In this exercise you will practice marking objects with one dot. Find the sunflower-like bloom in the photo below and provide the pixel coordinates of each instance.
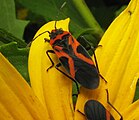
(50, 94)
(118, 61)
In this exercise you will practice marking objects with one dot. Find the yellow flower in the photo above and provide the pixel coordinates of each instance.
(17, 100)
(50, 94)
(118, 61)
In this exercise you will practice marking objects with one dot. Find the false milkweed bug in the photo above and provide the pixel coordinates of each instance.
(74, 57)
(94, 110)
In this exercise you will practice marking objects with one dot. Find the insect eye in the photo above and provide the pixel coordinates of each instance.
(60, 31)
(52, 35)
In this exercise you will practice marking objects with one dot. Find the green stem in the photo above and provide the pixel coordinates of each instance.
(88, 17)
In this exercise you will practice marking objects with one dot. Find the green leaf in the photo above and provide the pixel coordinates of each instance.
(107, 17)
(136, 97)
(8, 19)
(6, 37)
(13, 48)
(104, 14)
(17, 56)
(54, 9)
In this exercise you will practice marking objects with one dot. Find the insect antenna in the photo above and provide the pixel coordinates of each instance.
(55, 21)
(60, 9)
(29, 44)
(55, 24)
(62, 6)
(48, 31)
(41, 34)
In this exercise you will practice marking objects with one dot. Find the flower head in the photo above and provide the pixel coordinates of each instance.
(50, 94)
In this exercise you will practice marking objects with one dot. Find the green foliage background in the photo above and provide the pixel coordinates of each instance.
(89, 18)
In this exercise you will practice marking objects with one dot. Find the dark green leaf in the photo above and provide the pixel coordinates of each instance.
(51, 10)
(6, 37)
(104, 14)
(136, 97)
(8, 19)
(18, 57)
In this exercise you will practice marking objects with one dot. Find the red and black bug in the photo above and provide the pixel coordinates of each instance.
(94, 110)
(74, 57)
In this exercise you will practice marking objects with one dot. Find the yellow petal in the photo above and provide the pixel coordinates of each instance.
(122, 65)
(131, 112)
(17, 100)
(118, 62)
(53, 88)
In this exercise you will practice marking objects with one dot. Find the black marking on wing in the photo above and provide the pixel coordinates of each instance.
(64, 62)
(94, 110)
(86, 74)
(69, 51)
(66, 36)
(62, 42)
(82, 50)
(57, 42)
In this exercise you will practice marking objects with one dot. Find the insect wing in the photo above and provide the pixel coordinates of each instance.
(76, 60)
(94, 110)
(85, 73)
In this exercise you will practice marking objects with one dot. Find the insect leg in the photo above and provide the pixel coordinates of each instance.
(81, 112)
(93, 49)
(47, 52)
(98, 67)
(95, 58)
(57, 67)
(108, 101)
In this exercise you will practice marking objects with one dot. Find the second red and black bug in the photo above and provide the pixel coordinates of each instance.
(94, 110)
